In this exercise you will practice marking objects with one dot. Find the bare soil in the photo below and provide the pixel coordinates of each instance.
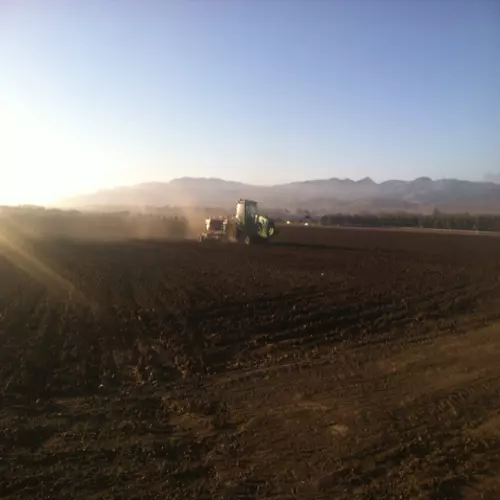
(329, 364)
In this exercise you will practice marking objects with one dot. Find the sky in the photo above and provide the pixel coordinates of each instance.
(99, 93)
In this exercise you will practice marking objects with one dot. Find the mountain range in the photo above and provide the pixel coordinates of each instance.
(317, 196)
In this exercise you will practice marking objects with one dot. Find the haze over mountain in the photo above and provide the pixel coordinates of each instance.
(323, 195)
(492, 177)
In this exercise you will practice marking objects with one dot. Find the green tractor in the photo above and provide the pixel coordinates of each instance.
(249, 226)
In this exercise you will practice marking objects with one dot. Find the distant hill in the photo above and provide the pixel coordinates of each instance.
(319, 196)
(492, 177)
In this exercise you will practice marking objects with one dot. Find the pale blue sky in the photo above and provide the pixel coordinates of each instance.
(99, 93)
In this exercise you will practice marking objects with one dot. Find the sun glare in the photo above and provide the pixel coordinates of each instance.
(41, 161)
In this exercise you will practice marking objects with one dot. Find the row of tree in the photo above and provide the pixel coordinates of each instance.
(435, 221)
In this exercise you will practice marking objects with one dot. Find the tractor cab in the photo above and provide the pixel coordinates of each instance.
(246, 211)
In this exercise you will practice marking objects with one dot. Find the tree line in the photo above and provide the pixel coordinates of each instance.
(437, 220)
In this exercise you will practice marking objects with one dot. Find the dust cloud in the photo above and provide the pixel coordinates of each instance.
(38, 223)
(22, 228)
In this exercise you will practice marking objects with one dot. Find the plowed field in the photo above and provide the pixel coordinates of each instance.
(333, 363)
